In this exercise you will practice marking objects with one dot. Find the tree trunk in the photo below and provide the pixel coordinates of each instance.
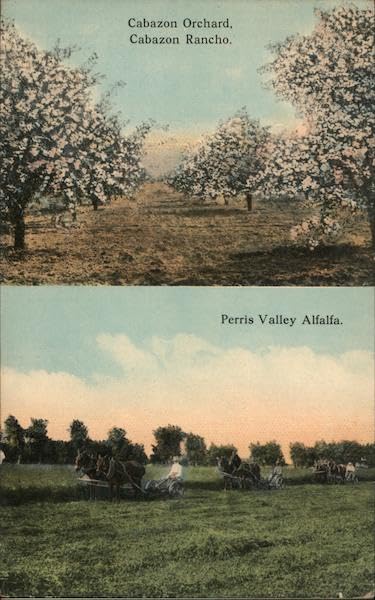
(95, 204)
(19, 229)
(249, 202)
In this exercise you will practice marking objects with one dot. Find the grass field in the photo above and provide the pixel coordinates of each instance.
(161, 238)
(306, 541)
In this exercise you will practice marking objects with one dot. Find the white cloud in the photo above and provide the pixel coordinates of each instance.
(227, 395)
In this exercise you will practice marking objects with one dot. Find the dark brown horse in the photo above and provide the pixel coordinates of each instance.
(118, 473)
(338, 472)
(249, 474)
(86, 463)
(224, 467)
(328, 471)
(321, 470)
(241, 474)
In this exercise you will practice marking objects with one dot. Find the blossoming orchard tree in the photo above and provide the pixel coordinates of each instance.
(290, 167)
(53, 138)
(328, 76)
(223, 163)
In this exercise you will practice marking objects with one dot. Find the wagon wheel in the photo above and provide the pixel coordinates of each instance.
(353, 479)
(247, 484)
(150, 488)
(176, 490)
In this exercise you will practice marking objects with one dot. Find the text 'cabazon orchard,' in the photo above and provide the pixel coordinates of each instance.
(187, 31)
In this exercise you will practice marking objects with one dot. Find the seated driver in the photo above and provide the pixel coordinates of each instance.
(175, 470)
(350, 471)
(276, 471)
(234, 461)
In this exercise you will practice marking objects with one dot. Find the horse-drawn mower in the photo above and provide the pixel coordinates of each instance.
(99, 489)
(172, 488)
(328, 471)
(251, 481)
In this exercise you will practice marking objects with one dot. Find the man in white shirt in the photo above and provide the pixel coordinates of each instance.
(350, 472)
(175, 470)
(276, 472)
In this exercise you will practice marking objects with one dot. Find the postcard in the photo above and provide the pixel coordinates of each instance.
(188, 443)
(186, 299)
(201, 143)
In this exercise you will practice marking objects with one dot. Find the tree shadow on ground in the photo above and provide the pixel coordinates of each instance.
(13, 255)
(290, 265)
(338, 251)
(216, 211)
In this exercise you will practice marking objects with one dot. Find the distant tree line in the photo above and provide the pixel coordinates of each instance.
(341, 452)
(33, 445)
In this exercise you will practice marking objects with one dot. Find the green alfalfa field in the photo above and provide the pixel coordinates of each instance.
(305, 541)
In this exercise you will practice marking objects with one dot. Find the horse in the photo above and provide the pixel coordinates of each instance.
(240, 473)
(340, 473)
(336, 472)
(328, 471)
(117, 473)
(86, 463)
(249, 474)
(321, 470)
(225, 469)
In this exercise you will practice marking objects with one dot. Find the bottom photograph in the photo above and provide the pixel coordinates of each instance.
(186, 442)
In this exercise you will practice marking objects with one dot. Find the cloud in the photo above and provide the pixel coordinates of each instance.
(227, 395)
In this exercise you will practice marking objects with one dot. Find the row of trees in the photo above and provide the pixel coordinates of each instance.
(32, 444)
(328, 77)
(54, 139)
(341, 452)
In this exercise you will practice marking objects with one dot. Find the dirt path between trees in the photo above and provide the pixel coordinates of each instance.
(161, 238)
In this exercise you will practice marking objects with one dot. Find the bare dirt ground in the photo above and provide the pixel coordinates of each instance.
(160, 238)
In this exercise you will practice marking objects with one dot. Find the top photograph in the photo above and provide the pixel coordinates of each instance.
(187, 143)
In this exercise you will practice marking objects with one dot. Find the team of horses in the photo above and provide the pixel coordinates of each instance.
(328, 471)
(111, 471)
(237, 473)
(104, 469)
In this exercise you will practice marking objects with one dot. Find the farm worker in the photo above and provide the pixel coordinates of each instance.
(235, 461)
(175, 470)
(276, 471)
(349, 471)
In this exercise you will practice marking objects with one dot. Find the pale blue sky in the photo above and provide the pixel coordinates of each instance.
(189, 87)
(55, 328)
